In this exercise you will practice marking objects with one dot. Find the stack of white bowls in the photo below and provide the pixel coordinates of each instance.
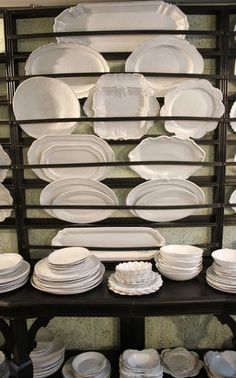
(87, 365)
(4, 369)
(144, 363)
(14, 271)
(220, 364)
(179, 262)
(70, 270)
(222, 274)
(48, 355)
(180, 362)
(134, 278)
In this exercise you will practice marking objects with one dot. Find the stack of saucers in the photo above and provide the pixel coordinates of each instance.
(134, 278)
(180, 363)
(68, 271)
(179, 262)
(222, 274)
(87, 365)
(144, 363)
(14, 271)
(48, 356)
(220, 364)
(4, 369)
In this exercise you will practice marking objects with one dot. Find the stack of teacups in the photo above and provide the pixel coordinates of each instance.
(144, 363)
(134, 278)
(14, 271)
(87, 365)
(4, 369)
(179, 262)
(222, 274)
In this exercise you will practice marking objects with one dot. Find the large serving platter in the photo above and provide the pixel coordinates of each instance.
(166, 148)
(45, 98)
(4, 160)
(67, 192)
(90, 145)
(165, 192)
(194, 98)
(59, 58)
(112, 237)
(136, 15)
(165, 54)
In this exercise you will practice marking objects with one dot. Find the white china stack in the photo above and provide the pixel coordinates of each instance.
(144, 363)
(70, 270)
(220, 364)
(222, 274)
(87, 365)
(134, 278)
(180, 363)
(4, 369)
(14, 271)
(48, 355)
(179, 262)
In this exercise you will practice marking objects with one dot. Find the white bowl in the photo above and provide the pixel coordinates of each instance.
(141, 359)
(221, 364)
(225, 257)
(88, 363)
(133, 271)
(9, 262)
(181, 251)
(182, 268)
(180, 263)
(179, 276)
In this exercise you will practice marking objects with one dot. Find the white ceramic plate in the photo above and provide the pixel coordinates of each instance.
(5, 200)
(232, 200)
(67, 256)
(56, 188)
(194, 98)
(40, 145)
(4, 160)
(21, 272)
(166, 148)
(112, 237)
(9, 262)
(134, 15)
(56, 58)
(232, 114)
(44, 98)
(167, 54)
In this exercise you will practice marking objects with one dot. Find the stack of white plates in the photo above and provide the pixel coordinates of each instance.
(58, 149)
(180, 363)
(222, 274)
(87, 365)
(134, 278)
(179, 262)
(75, 192)
(4, 160)
(14, 271)
(144, 363)
(70, 270)
(48, 355)
(4, 369)
(164, 192)
(220, 364)
(121, 95)
(5, 200)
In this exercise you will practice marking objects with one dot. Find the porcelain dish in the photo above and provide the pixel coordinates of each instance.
(232, 200)
(14, 272)
(232, 114)
(77, 192)
(85, 143)
(140, 363)
(166, 148)
(193, 98)
(161, 192)
(104, 372)
(5, 200)
(113, 237)
(67, 58)
(45, 98)
(134, 15)
(221, 364)
(180, 363)
(4, 160)
(165, 54)
(121, 95)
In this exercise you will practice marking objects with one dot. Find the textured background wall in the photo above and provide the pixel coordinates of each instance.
(88, 333)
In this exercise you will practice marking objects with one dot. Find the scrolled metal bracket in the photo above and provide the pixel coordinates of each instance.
(230, 322)
(37, 324)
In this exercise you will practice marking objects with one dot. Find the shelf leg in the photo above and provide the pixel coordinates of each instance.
(132, 333)
(21, 365)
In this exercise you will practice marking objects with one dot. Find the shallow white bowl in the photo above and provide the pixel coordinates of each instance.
(9, 261)
(179, 276)
(180, 263)
(181, 251)
(225, 257)
(176, 267)
(88, 363)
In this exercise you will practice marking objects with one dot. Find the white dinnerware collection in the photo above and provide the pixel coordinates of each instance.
(5, 196)
(87, 365)
(180, 362)
(179, 262)
(14, 271)
(48, 355)
(221, 275)
(4, 367)
(66, 271)
(134, 278)
(220, 364)
(140, 363)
